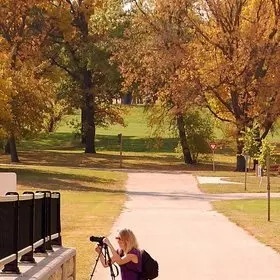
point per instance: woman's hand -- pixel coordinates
(98, 249)
(106, 241)
(114, 259)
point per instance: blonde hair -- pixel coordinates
(129, 238)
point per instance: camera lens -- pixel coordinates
(98, 239)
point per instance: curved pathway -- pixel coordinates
(175, 222)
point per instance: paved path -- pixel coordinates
(175, 222)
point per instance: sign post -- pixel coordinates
(213, 147)
(268, 186)
(120, 143)
(259, 173)
(246, 164)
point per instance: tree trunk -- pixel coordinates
(8, 148)
(13, 147)
(183, 140)
(89, 112)
(255, 162)
(240, 160)
(90, 129)
(51, 124)
(83, 122)
(240, 163)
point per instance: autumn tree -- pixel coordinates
(238, 63)
(226, 52)
(5, 97)
(80, 45)
(21, 34)
(153, 58)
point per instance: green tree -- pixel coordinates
(199, 129)
(80, 44)
(252, 143)
(267, 149)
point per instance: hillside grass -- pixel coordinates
(136, 136)
(140, 149)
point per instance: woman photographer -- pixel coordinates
(127, 256)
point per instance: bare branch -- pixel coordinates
(71, 73)
(217, 114)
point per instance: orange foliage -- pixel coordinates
(22, 31)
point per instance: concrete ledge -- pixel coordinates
(57, 265)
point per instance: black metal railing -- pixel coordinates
(29, 223)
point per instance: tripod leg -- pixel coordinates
(107, 255)
(96, 261)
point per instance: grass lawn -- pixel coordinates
(91, 201)
(252, 216)
(103, 160)
(140, 151)
(252, 186)
(136, 136)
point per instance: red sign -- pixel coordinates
(213, 146)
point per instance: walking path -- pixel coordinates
(175, 222)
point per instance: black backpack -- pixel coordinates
(149, 267)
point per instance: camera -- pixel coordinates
(98, 239)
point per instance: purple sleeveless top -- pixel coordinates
(131, 270)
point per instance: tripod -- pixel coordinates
(106, 256)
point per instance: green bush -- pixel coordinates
(267, 149)
(199, 128)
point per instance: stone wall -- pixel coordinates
(66, 271)
(57, 265)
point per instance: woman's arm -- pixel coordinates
(126, 259)
(117, 258)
